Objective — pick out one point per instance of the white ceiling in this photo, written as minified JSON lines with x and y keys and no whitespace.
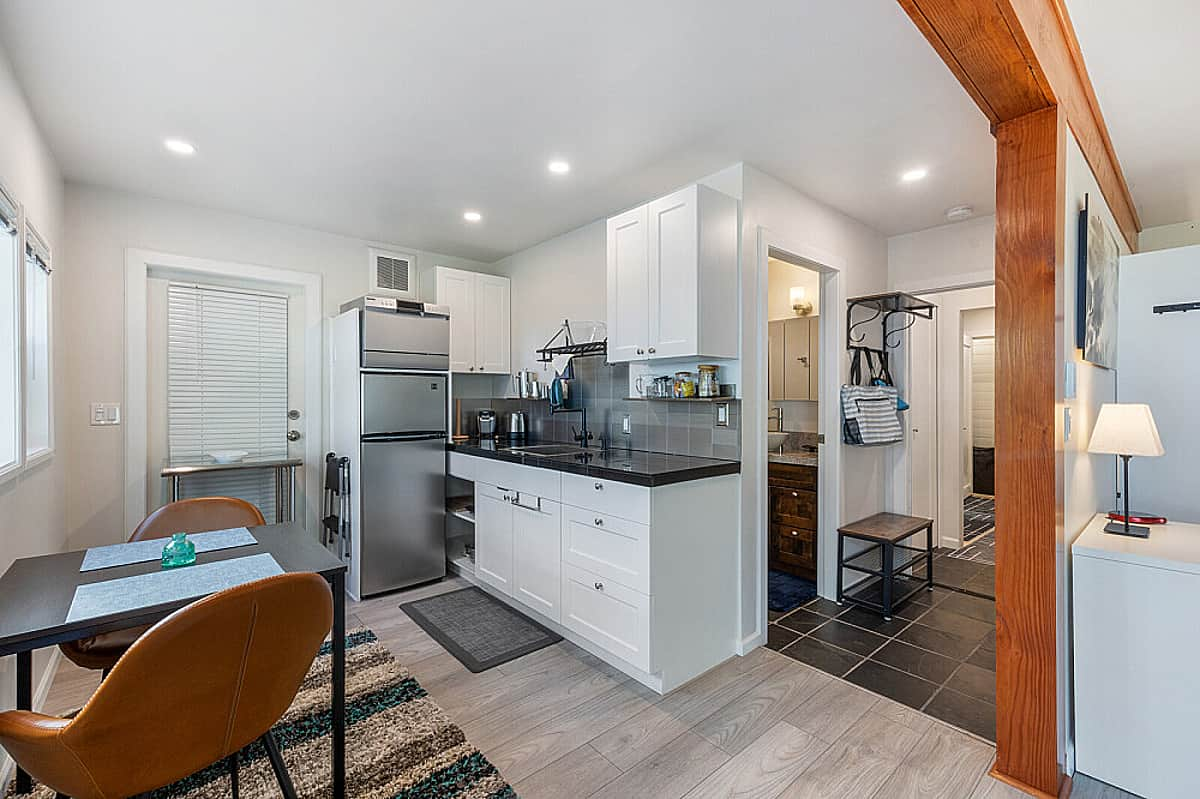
{"x":1144,"y":63}
{"x":386,"y":120}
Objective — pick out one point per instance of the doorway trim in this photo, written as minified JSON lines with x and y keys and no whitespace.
{"x":139,"y":264}
{"x":757,"y":401}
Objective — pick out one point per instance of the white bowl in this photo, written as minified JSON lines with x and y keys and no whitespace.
{"x":228,"y":455}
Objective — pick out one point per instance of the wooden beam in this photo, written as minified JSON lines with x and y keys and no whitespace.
{"x":1030,"y":207}
{"x":1015,"y":57}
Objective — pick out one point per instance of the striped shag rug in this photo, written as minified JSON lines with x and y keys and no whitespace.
{"x":399,"y":744}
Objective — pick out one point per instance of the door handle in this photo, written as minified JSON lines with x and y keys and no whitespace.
{"x":517,"y":501}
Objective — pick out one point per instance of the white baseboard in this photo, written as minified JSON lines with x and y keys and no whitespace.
{"x":39,"y":701}
{"x":752,"y":642}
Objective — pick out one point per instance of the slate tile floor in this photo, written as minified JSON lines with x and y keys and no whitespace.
{"x":937,"y":654}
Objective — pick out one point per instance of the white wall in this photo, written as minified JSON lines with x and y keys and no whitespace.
{"x":950,"y":256}
{"x":102,"y":224}
{"x":1156,"y":357}
{"x":861,"y":254}
{"x":1166,"y":237}
{"x":32,"y":503}
{"x":1088,"y":480}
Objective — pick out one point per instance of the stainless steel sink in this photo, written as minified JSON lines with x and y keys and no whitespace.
{"x":548,"y":450}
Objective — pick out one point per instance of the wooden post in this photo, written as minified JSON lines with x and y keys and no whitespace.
{"x":1030,"y":182}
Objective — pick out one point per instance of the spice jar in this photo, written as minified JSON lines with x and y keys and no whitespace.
{"x":685,"y":387}
{"x":707,"y":384}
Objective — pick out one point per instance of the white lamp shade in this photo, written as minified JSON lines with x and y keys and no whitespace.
{"x":1125,"y":429}
{"x":796,"y":295}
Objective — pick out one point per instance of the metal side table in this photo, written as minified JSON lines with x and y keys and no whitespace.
{"x":884,"y":532}
{"x":285,"y":479}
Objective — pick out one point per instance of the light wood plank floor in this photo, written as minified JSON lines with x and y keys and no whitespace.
{"x":560,"y":723}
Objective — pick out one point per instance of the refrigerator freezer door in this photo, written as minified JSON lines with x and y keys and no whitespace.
{"x":398,"y":403}
{"x":403,"y":539}
{"x":405,"y":341}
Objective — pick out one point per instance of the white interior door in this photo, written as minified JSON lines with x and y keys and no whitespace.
{"x":922,"y":418}
{"x":965,"y":440}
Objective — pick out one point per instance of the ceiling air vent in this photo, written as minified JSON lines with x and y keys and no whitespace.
{"x":393,"y":273}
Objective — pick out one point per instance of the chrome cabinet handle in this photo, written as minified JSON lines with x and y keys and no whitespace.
{"x":651,"y":350}
{"x":599,"y":522}
{"x":641,"y":351}
{"x":599,"y":486}
{"x":599,"y":586}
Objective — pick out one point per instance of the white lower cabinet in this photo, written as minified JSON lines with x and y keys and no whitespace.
{"x":537,"y":561}
{"x":494,"y":537}
{"x":608,"y":614}
{"x":644,"y":578}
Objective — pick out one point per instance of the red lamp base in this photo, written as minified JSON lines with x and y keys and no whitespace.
{"x":1137,"y":517}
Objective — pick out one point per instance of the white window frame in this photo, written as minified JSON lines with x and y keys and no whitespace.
{"x":14,"y":469}
{"x":46,"y":453}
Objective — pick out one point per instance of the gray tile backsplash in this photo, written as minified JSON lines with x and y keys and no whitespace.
{"x":678,"y":427}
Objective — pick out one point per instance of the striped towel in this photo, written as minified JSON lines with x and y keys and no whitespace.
{"x":869,"y":415}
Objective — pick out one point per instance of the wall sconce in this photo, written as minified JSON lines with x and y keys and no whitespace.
{"x":800,"y":305}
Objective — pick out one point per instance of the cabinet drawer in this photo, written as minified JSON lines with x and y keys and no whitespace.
{"x":609,"y":546}
{"x":794,"y":547}
{"x":461,"y":466}
{"x":526,"y":479}
{"x":794,"y":506}
{"x":607,"y":497}
{"x":610,"y":615}
{"x":789,"y":474}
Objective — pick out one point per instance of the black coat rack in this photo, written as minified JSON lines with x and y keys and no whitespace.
{"x":885,"y":306}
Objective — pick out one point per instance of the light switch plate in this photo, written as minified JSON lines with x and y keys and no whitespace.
{"x":1066,"y":425}
{"x":1069,"y":380}
{"x":104,"y":414}
{"x":722,"y":415}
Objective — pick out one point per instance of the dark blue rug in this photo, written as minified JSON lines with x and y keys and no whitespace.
{"x":787,"y":592}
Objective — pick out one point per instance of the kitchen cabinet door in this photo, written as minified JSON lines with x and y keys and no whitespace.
{"x":494,"y":537}
{"x":628,"y":290}
{"x":673,"y":269}
{"x":537,"y":560}
{"x":795,"y":353}
{"x":492,"y":332}
{"x":456,"y":289}
{"x":775,"y":360}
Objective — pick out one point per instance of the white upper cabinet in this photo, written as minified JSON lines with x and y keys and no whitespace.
{"x":480,"y":336}
{"x":628,"y":298}
{"x":672,"y":278}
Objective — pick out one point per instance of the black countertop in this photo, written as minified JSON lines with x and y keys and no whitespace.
{"x":626,"y":466}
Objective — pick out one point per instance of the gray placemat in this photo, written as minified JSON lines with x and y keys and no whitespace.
{"x":169,"y":585}
{"x":144,"y":551}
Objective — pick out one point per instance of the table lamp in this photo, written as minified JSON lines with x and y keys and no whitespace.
{"x":1126,"y":429}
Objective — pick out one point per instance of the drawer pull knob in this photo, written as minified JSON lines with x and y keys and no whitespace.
{"x":599,"y":586}
{"x":795,"y":533}
{"x":599,"y":486}
{"x":794,"y":494}
{"x":599,"y":522}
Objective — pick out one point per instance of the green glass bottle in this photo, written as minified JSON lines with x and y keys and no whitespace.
{"x":179,"y":551}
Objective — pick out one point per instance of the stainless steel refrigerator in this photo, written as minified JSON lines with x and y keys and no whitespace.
{"x":398,"y":398}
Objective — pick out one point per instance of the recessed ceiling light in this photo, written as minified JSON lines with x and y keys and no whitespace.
{"x":913,"y":175}
{"x":179,"y":146}
{"x":559,"y":167}
{"x":472,"y":216}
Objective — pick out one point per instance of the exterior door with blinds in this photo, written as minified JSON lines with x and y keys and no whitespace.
{"x":227,"y":386}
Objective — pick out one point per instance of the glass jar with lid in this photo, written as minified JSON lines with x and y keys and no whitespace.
{"x":707,"y":385}
{"x":685,"y":387}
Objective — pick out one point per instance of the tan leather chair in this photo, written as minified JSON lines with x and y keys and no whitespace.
{"x":185,"y":516}
{"x":199,"y":686}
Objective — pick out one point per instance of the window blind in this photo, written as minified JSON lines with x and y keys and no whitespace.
{"x":9,"y":332}
{"x":227,"y":386}
{"x":39,"y":434}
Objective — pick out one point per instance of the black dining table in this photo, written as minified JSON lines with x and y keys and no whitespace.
{"x":36,"y":594}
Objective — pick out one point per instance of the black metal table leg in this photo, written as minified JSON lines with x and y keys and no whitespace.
{"x":889,"y":579}
{"x":841,"y":557}
{"x":24,"y":702}
{"x":929,"y":557}
{"x":339,"y":685}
